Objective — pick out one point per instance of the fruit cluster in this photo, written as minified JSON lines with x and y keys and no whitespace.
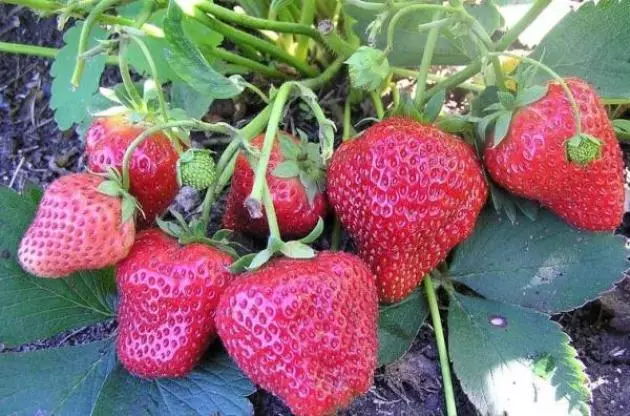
{"x":306,"y":329}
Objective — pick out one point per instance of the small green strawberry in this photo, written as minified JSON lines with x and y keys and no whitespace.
{"x":196,"y":168}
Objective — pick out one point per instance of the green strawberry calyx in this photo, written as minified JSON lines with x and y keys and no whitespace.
{"x":113,"y":186}
{"x":196,"y":168}
{"x":302,"y":160}
{"x":583,"y":149}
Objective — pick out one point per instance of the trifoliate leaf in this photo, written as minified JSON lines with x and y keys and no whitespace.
{"x":70,"y":104}
{"x":368,"y":68}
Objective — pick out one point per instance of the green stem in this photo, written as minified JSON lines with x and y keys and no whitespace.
{"x":128,"y":83}
{"x":41,"y":51}
{"x":327,"y":75}
{"x":256,"y":67}
{"x":425,"y":64}
{"x":575,"y":108}
{"x":449,"y":394}
{"x":154,"y":74}
{"x":408,"y":73}
{"x":257,"y":125}
{"x":306,"y":18}
{"x":84,"y":38}
{"x":378,"y":104}
{"x":277,"y":109}
{"x":510,"y":37}
{"x":270,"y":212}
{"x":240,"y":37}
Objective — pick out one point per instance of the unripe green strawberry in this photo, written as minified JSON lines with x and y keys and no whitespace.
{"x":196,"y":168}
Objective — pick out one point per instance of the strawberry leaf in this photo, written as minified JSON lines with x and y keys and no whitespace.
{"x":368,"y":68}
{"x":185,"y":58}
{"x":542,"y":265}
{"x":88,"y":380}
{"x":69,"y":103}
{"x":398,"y":325}
{"x":523,"y":362}
{"x":599,"y":53}
{"x":510,"y":203}
{"x":35,"y":308}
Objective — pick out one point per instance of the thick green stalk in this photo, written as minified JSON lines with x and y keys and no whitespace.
{"x":306,"y":18}
{"x":425,"y":64}
{"x":270,"y":212}
{"x":237,"y":59}
{"x":257,"y":125}
{"x":128,"y":83}
{"x":408,"y":73}
{"x":378,"y":104}
{"x":277,"y":109}
{"x":449,"y":394}
{"x":240,"y":37}
{"x":325,"y":76}
{"x":23,"y":49}
{"x":84,"y":38}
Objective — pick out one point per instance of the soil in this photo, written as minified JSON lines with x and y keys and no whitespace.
{"x":33,"y":149}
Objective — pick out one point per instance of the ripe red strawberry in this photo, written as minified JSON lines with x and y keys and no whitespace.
{"x":298,"y":199}
{"x":532,"y":160}
{"x":304,"y":330}
{"x":153,"y":171}
{"x":76,"y":228}
{"x":168,"y":294}
{"x":407,"y":193}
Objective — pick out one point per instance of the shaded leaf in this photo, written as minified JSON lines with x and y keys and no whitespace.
{"x":398,"y":325}
{"x":541,"y":265}
{"x":510,"y":360}
{"x":368,"y":68}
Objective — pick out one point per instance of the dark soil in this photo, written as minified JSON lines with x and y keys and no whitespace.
{"x":33,"y":149}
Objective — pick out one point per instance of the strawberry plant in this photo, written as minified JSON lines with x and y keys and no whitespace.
{"x":490,"y":219}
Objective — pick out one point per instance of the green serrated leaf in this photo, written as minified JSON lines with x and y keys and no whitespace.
{"x":315,"y":232}
{"x":540,"y":265}
{"x":70,"y":104}
{"x":398,"y":325}
{"x":287,"y":169}
{"x":35,"y":308}
{"x":434,"y":106}
{"x":599,"y":53}
{"x":502,"y":127}
{"x":185,"y":58}
{"x":507,"y":343}
{"x":368,"y":68}
{"x":87,"y":379}
{"x":530,"y":95}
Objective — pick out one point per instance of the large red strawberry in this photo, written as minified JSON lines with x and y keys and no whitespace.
{"x":296,"y":182}
{"x":168,"y":294}
{"x":407,"y":193}
{"x":304,"y":330}
{"x":77,"y":227}
{"x":153,"y":170}
{"x":533,"y":160}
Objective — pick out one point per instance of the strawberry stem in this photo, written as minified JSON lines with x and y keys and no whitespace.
{"x":378,"y":104}
{"x":84,"y":38}
{"x":255,"y":198}
{"x":154,"y":74}
{"x":270,"y":212}
{"x":449,"y":395}
{"x":427,"y":57}
{"x":306,"y":18}
{"x":563,"y":84}
{"x":123,"y":67}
